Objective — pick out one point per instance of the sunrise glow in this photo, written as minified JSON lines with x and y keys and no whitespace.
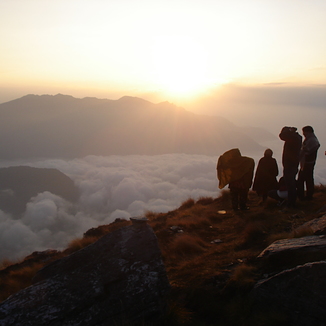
{"x":122,"y":48}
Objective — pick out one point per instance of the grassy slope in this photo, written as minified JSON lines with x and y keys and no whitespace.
{"x":209,"y":256}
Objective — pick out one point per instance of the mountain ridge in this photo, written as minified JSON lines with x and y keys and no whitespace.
{"x":67,"y":127}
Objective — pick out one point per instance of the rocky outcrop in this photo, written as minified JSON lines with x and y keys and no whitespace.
{"x":119,"y":280}
{"x":294,"y":291}
{"x":288,"y":253}
{"x":317,"y":226}
{"x":296,"y":296}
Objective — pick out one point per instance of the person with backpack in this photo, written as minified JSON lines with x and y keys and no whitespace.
{"x":237,"y":171}
{"x":290,"y":160}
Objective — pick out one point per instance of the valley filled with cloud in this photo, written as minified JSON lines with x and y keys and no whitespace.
{"x":111,"y":187}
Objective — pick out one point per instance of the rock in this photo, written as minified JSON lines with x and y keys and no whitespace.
{"x":322,"y":209}
{"x":288,"y":253}
{"x":317,"y":226}
{"x":296,"y":296}
{"x":118,"y":280}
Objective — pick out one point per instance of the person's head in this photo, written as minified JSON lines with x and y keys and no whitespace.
{"x":307,"y":130}
{"x":289,"y":129}
{"x":268,"y":152}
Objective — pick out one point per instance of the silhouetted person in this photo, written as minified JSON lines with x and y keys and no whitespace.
{"x":280,"y":193}
{"x":308,"y":156}
{"x":237,"y":172}
{"x":290,"y":160}
{"x":266,"y":173}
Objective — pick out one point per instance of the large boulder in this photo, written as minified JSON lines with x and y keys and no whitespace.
{"x":288,"y":253}
{"x":119,"y":280}
{"x":316,"y":226}
{"x":293,"y":297}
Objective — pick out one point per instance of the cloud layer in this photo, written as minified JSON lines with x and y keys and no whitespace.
{"x":111,"y":187}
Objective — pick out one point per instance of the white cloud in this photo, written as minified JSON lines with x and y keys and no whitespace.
{"x":112,"y":187}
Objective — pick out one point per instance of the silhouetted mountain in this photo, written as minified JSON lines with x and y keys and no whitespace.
{"x":64,"y":126}
{"x":18,"y":184}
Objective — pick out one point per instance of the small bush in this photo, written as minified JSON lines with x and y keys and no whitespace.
{"x":254,"y":232}
{"x":80,"y":243}
{"x":205,"y":201}
{"x":5,"y":263}
{"x":244,"y":275}
{"x":151,"y":215}
{"x":187,"y":204}
{"x":187,"y":245}
{"x":18,"y":279}
{"x":297,"y":233}
{"x":302,"y":232}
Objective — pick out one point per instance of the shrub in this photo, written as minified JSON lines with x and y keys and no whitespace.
{"x":18,"y":279}
{"x":254,"y":232}
{"x":205,"y":201}
{"x":297,"y":233}
{"x":151,"y":215}
{"x":80,"y":243}
{"x":187,"y":245}
{"x":187,"y":204}
{"x":5,"y":263}
{"x":244,"y":275}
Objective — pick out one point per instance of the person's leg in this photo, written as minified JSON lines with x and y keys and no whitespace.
{"x":234,"y":198}
{"x":300,"y":184}
{"x":290,"y":182}
{"x":309,"y":178}
{"x":243,"y":196}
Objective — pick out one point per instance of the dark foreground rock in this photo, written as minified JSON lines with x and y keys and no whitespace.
{"x":293,"y":297}
{"x":317,"y":226}
{"x":119,"y":280}
{"x":288,"y":253}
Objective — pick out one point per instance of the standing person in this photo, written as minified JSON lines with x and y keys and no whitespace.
{"x":236,"y":171}
{"x":290,"y":160}
{"x":266,"y":173}
{"x":308,"y":156}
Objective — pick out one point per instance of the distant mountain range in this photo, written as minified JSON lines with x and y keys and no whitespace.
{"x":62,"y":126}
{"x":18,"y":184}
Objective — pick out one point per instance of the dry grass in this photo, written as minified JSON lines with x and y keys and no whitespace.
{"x":186,"y":245}
{"x":210,"y":257}
{"x":187,"y":204}
{"x":18,"y":279}
{"x":244,"y":275}
{"x":80,"y":243}
{"x":297,"y":233}
{"x":6,"y":262}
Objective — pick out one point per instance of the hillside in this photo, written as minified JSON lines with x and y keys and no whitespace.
{"x":208,"y":251}
{"x":62,"y":126}
{"x":18,"y":184}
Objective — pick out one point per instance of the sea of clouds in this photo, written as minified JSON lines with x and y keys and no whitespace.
{"x":110,"y":187}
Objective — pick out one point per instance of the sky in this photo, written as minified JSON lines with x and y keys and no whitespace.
{"x":258,"y":63}
{"x":158,"y":50}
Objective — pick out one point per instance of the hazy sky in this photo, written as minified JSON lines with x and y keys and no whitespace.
{"x":160,"y":49}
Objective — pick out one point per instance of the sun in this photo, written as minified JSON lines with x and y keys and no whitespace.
{"x":180,"y":66}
